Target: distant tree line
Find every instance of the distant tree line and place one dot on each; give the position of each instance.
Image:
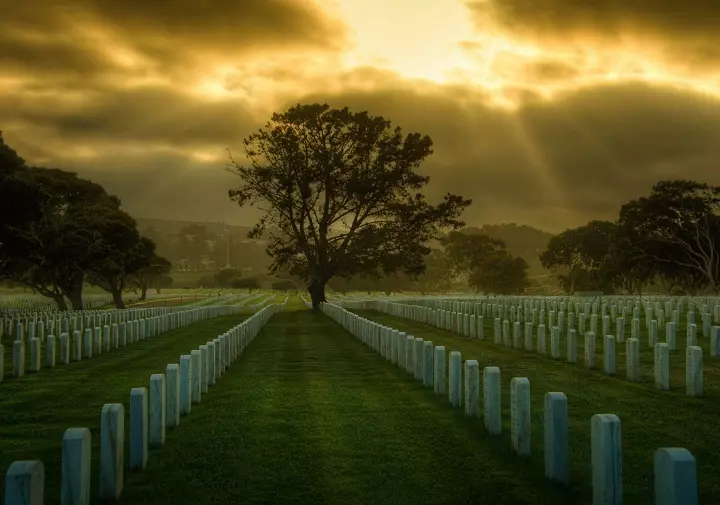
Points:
(468, 257)
(59, 232)
(667, 241)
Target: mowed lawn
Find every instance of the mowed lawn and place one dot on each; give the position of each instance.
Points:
(36, 410)
(650, 419)
(308, 415)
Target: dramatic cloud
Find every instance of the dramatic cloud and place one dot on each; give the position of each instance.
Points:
(690, 19)
(553, 164)
(542, 113)
(676, 29)
(93, 35)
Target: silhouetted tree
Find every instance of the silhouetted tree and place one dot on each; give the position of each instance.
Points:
(500, 273)
(52, 251)
(580, 256)
(438, 275)
(149, 275)
(162, 281)
(342, 190)
(249, 283)
(225, 277)
(486, 262)
(677, 230)
(283, 285)
(124, 252)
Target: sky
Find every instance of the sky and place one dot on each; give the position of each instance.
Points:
(548, 113)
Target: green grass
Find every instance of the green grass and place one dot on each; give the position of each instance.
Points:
(171, 300)
(650, 419)
(310, 415)
(36, 410)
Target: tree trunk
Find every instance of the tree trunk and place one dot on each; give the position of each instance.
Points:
(117, 299)
(60, 300)
(317, 293)
(143, 293)
(72, 288)
(75, 297)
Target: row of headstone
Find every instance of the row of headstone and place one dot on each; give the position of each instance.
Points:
(31, 324)
(66, 321)
(675, 468)
(24, 301)
(466, 325)
(535, 307)
(653, 307)
(458, 312)
(153, 410)
(101, 339)
(25, 312)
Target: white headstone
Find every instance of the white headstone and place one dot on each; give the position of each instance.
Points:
(606, 446)
(556, 437)
(472, 388)
(520, 415)
(492, 407)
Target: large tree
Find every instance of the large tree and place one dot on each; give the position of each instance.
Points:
(22, 201)
(225, 277)
(52, 251)
(486, 263)
(125, 252)
(341, 188)
(249, 283)
(580, 256)
(500, 273)
(149, 275)
(438, 275)
(624, 266)
(677, 228)
(468, 251)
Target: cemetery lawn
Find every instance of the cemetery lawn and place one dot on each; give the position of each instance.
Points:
(650, 419)
(170, 301)
(309, 415)
(36, 410)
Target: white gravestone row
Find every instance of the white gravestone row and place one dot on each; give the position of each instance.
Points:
(675, 468)
(443, 319)
(152, 411)
(99, 339)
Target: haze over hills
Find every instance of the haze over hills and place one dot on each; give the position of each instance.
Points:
(521, 240)
(167, 227)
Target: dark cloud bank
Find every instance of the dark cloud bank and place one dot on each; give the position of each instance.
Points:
(550, 164)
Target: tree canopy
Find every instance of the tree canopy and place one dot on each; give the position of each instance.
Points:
(486, 263)
(249, 283)
(58, 231)
(153, 274)
(671, 236)
(342, 190)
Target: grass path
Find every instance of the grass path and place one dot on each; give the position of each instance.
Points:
(650, 419)
(310, 415)
(36, 410)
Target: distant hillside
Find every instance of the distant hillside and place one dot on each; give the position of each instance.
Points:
(205, 247)
(521, 240)
(168, 227)
(202, 246)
